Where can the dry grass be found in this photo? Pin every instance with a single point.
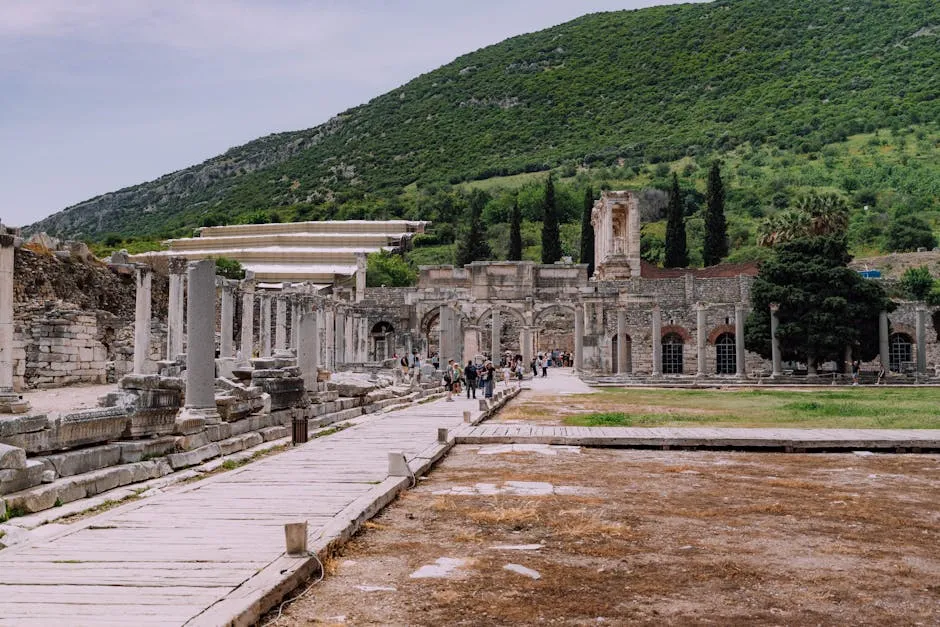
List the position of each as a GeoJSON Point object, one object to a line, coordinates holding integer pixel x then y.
{"type": "Point", "coordinates": [859, 407]}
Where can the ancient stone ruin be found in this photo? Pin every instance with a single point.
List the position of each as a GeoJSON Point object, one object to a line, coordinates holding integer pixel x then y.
{"type": "Point", "coordinates": [205, 366]}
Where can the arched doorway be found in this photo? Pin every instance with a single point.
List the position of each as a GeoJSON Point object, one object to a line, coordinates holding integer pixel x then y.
{"type": "Point", "coordinates": [726, 358]}
{"type": "Point", "coordinates": [382, 340]}
{"type": "Point", "coordinates": [672, 353]}
{"type": "Point", "coordinates": [900, 352]}
{"type": "Point", "coordinates": [615, 353]}
{"type": "Point", "coordinates": [431, 332]}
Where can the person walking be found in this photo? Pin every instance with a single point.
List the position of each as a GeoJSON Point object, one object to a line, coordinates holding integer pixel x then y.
{"type": "Point", "coordinates": [448, 382]}
{"type": "Point", "coordinates": [470, 374]}
{"type": "Point", "coordinates": [534, 366]}
{"type": "Point", "coordinates": [543, 362]}
{"type": "Point", "coordinates": [490, 376]}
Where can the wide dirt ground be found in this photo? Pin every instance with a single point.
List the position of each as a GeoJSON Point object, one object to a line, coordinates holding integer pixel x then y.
{"type": "Point", "coordinates": [628, 536]}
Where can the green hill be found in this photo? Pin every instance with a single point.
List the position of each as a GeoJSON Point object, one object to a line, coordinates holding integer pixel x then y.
{"type": "Point", "coordinates": [778, 88]}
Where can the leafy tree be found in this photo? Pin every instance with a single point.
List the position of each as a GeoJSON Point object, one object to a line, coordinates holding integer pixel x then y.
{"type": "Point", "coordinates": [908, 233]}
{"type": "Point", "coordinates": [824, 305]}
{"type": "Point", "coordinates": [473, 245]}
{"type": "Point", "coordinates": [813, 215]}
{"type": "Point", "coordinates": [716, 228]}
{"type": "Point", "coordinates": [917, 283]}
{"type": "Point", "coordinates": [389, 269]}
{"type": "Point", "coordinates": [587, 231]}
{"type": "Point", "coordinates": [677, 252]}
{"type": "Point", "coordinates": [515, 233]}
{"type": "Point", "coordinates": [229, 268]}
{"type": "Point", "coordinates": [551, 236]}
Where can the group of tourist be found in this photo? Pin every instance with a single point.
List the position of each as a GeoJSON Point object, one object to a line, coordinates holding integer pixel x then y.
{"type": "Point", "coordinates": [483, 376]}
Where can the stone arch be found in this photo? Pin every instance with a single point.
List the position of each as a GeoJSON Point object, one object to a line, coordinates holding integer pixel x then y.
{"type": "Point", "coordinates": [553, 308]}
{"type": "Point", "coordinates": [484, 317]}
{"type": "Point", "coordinates": [682, 332]}
{"type": "Point", "coordinates": [720, 330]}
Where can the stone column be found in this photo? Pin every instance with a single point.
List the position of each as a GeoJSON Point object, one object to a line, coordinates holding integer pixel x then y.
{"type": "Point", "coordinates": [142, 319]}
{"type": "Point", "coordinates": [883, 344]}
{"type": "Point", "coordinates": [775, 341]}
{"type": "Point", "coordinates": [363, 340]}
{"type": "Point", "coordinates": [578, 338]}
{"type": "Point", "coordinates": [329, 320]}
{"type": "Point", "coordinates": [350, 347]}
{"type": "Point", "coordinates": [921, 339]}
{"type": "Point", "coordinates": [339, 337]}
{"type": "Point", "coordinates": [527, 352]}
{"type": "Point", "coordinates": [701, 337]}
{"type": "Point", "coordinates": [495, 344]}
{"type": "Point", "coordinates": [295, 313]}
{"type": "Point", "coordinates": [175, 313]}
{"type": "Point", "coordinates": [248, 320]}
{"type": "Point", "coordinates": [621, 344]}
{"type": "Point", "coordinates": [446, 341]}
{"type": "Point", "coordinates": [227, 326]}
{"type": "Point", "coordinates": [361, 264]}
{"type": "Point", "coordinates": [280, 323]}
{"type": "Point", "coordinates": [307, 335]}
{"type": "Point", "coordinates": [200, 353]}
{"type": "Point", "coordinates": [471, 342]}
{"type": "Point", "coordinates": [265, 330]}
{"type": "Point", "coordinates": [739, 310]}
{"type": "Point", "coordinates": [6, 317]}
{"type": "Point", "coordinates": [657, 332]}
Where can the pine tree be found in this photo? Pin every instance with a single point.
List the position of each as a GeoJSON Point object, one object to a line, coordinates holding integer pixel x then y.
{"type": "Point", "coordinates": [551, 237]}
{"type": "Point", "coordinates": [473, 245]}
{"type": "Point", "coordinates": [716, 228]}
{"type": "Point", "coordinates": [515, 233]}
{"type": "Point", "coordinates": [677, 252]}
{"type": "Point", "coordinates": [587, 231]}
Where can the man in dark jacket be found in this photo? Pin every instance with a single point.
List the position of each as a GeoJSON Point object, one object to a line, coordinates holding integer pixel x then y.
{"type": "Point", "coordinates": [470, 374]}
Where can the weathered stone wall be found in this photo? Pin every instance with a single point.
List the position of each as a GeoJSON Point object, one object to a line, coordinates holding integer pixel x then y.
{"type": "Point", "coordinates": [74, 320]}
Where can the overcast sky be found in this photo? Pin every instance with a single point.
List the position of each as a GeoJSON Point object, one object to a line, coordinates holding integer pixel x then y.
{"type": "Point", "coordinates": [96, 95]}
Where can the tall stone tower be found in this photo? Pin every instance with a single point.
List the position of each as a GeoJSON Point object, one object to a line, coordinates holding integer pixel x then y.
{"type": "Point", "coordinates": [616, 221]}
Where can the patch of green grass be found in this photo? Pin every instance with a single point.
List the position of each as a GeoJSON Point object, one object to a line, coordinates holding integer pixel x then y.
{"type": "Point", "coordinates": [858, 408]}
{"type": "Point", "coordinates": [12, 512]}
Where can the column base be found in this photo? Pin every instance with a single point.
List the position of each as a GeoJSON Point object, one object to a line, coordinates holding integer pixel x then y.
{"type": "Point", "coordinates": [193, 420]}
{"type": "Point", "coordinates": [12, 403]}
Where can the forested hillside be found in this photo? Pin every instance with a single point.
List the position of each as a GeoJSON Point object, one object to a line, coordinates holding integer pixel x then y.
{"type": "Point", "coordinates": [791, 94]}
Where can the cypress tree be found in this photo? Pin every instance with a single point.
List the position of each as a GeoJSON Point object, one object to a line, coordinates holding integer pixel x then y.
{"type": "Point", "coordinates": [551, 236]}
{"type": "Point", "coordinates": [473, 246]}
{"type": "Point", "coordinates": [515, 233]}
{"type": "Point", "coordinates": [587, 231]}
{"type": "Point", "coordinates": [716, 228]}
{"type": "Point", "coordinates": [677, 253]}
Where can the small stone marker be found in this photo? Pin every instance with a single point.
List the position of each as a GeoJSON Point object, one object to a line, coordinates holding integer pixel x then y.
{"type": "Point", "coordinates": [466, 416]}
{"type": "Point", "coordinates": [442, 434]}
{"type": "Point", "coordinates": [398, 465]}
{"type": "Point", "coordinates": [295, 535]}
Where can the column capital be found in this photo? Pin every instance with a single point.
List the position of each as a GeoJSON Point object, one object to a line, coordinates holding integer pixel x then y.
{"type": "Point", "coordinates": [740, 307]}
{"type": "Point", "coordinates": [774, 307]}
{"type": "Point", "coordinates": [920, 307]}
{"type": "Point", "coordinates": [177, 265]}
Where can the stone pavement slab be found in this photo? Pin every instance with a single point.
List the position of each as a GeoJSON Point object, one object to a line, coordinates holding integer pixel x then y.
{"type": "Point", "coordinates": [213, 552]}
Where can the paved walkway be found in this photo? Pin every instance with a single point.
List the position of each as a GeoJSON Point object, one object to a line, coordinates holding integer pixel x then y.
{"type": "Point", "coordinates": [792, 440]}
{"type": "Point", "coordinates": [209, 552]}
